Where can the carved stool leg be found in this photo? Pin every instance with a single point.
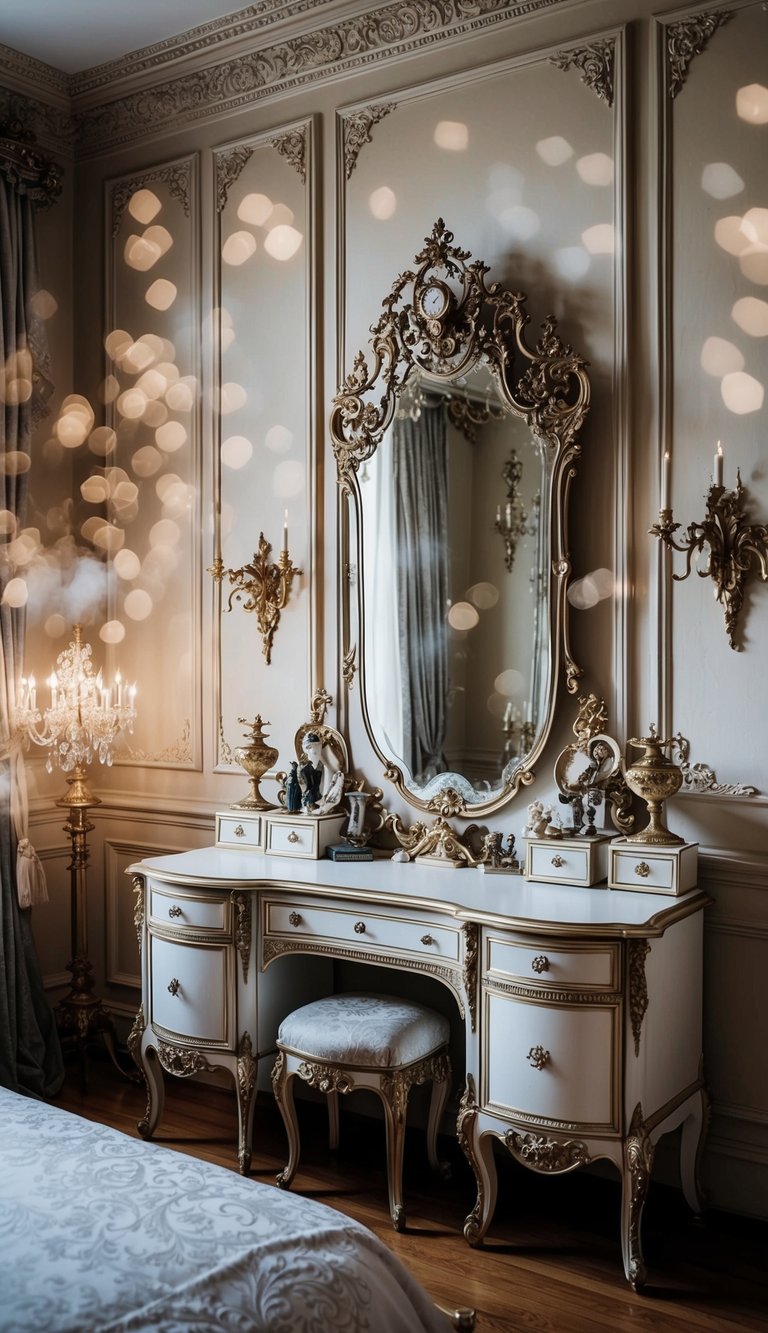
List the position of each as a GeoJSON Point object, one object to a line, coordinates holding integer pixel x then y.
{"type": "Point", "coordinates": [282, 1083]}
{"type": "Point", "coordinates": [333, 1120]}
{"type": "Point", "coordinates": [441, 1086]}
{"type": "Point", "coordinates": [635, 1179]}
{"type": "Point", "coordinates": [691, 1143]}
{"type": "Point", "coordinates": [393, 1090]}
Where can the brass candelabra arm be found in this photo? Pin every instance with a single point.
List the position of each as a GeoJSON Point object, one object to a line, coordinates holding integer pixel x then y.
{"type": "Point", "coordinates": [736, 548]}
{"type": "Point", "coordinates": [263, 586]}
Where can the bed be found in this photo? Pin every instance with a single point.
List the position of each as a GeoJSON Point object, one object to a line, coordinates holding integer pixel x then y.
{"type": "Point", "coordinates": [100, 1231]}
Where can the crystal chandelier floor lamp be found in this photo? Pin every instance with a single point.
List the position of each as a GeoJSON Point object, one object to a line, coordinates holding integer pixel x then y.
{"type": "Point", "coordinates": [80, 725]}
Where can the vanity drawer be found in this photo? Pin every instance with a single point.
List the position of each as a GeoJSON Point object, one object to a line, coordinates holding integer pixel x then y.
{"type": "Point", "coordinates": [360, 929]}
{"type": "Point", "coordinates": [579, 861]}
{"type": "Point", "coordinates": [651, 869]}
{"type": "Point", "coordinates": [240, 830]}
{"type": "Point", "coordinates": [179, 910]}
{"type": "Point", "coordinates": [192, 991]}
{"type": "Point", "coordinates": [552, 1063]}
{"type": "Point", "coordinates": [308, 838]}
{"type": "Point", "coordinates": [549, 964]}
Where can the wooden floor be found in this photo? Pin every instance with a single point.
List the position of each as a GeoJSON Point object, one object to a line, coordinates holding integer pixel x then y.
{"type": "Point", "coordinates": [552, 1261]}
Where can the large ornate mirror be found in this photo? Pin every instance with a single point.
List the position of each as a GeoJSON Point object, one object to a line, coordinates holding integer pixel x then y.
{"type": "Point", "coordinates": [456, 447]}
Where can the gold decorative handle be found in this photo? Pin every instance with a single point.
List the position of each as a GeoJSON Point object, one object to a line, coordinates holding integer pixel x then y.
{"type": "Point", "coordinates": [174, 911]}
{"type": "Point", "coordinates": [174, 986]}
{"type": "Point", "coordinates": [538, 1057]}
{"type": "Point", "coordinates": [239, 831]}
{"type": "Point", "coordinates": [427, 939]}
{"type": "Point", "coordinates": [557, 862]}
{"type": "Point", "coordinates": [295, 919]}
{"type": "Point", "coordinates": [540, 964]}
{"type": "Point", "coordinates": [293, 836]}
{"type": "Point", "coordinates": [359, 927]}
{"type": "Point", "coordinates": [643, 870]}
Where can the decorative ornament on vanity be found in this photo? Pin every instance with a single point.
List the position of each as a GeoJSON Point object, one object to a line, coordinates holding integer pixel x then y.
{"type": "Point", "coordinates": [654, 777]}
{"type": "Point", "coordinates": [586, 771]}
{"type": "Point", "coordinates": [256, 758]}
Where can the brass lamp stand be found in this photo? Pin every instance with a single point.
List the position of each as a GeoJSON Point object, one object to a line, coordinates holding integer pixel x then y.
{"type": "Point", "coordinates": [81, 1013]}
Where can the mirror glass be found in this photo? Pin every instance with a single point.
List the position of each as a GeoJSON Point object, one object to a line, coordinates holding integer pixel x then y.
{"type": "Point", "coordinates": [456, 441]}
{"type": "Point", "coordinates": [456, 627]}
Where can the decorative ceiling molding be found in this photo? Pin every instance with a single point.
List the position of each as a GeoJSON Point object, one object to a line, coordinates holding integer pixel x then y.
{"type": "Point", "coordinates": [227, 165]}
{"type": "Point", "coordinates": [687, 39]}
{"type": "Point", "coordinates": [357, 127]}
{"type": "Point", "coordinates": [29, 172]}
{"type": "Point", "coordinates": [293, 147]}
{"type": "Point", "coordinates": [595, 63]}
{"type": "Point", "coordinates": [15, 66]}
{"type": "Point", "coordinates": [353, 43]}
{"type": "Point", "coordinates": [176, 175]}
{"type": "Point", "coordinates": [52, 127]}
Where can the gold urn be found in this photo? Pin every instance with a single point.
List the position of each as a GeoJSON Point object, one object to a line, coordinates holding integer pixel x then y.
{"type": "Point", "coordinates": [654, 778]}
{"type": "Point", "coordinates": [256, 758]}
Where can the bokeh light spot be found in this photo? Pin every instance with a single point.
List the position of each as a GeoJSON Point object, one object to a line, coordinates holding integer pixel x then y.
{"type": "Point", "coordinates": [554, 151]}
{"type": "Point", "coordinates": [720, 357]}
{"type": "Point", "coordinates": [231, 397]}
{"type": "Point", "coordinates": [742, 393]}
{"type": "Point", "coordinates": [127, 564]}
{"type": "Point", "coordinates": [113, 631]}
{"type": "Point", "coordinates": [236, 451]}
{"type": "Point", "coordinates": [161, 295]}
{"type": "Point", "coordinates": [44, 304]}
{"type": "Point", "coordinates": [382, 203]}
{"type": "Point", "coordinates": [751, 315]}
{"type": "Point", "coordinates": [452, 135]}
{"type": "Point", "coordinates": [598, 240]}
{"type": "Point", "coordinates": [509, 682]}
{"type": "Point", "coordinates": [238, 248]}
{"type": "Point", "coordinates": [144, 205]}
{"type": "Point", "coordinates": [572, 262]}
{"type": "Point", "coordinates": [595, 169]}
{"type": "Point", "coordinates": [484, 595]}
{"type": "Point", "coordinates": [256, 209]}
{"type": "Point", "coordinates": [137, 604]}
{"type": "Point", "coordinates": [15, 593]}
{"type": "Point", "coordinates": [289, 479]}
{"type": "Point", "coordinates": [171, 436]}
{"type": "Point", "coordinates": [278, 439]}
{"type": "Point", "coordinates": [752, 104]}
{"type": "Point", "coordinates": [519, 222]}
{"type": "Point", "coordinates": [720, 181]}
{"type": "Point", "coordinates": [282, 242]}
{"type": "Point", "coordinates": [463, 616]}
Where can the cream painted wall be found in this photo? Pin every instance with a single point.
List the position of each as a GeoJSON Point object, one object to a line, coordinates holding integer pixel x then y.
{"type": "Point", "coordinates": [642, 316]}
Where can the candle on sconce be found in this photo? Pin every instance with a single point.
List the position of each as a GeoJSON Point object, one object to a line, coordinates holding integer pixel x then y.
{"type": "Point", "coordinates": [665, 479]}
{"type": "Point", "coordinates": [53, 685]}
{"type": "Point", "coordinates": [718, 465]}
{"type": "Point", "coordinates": [32, 693]}
{"type": "Point", "coordinates": [285, 531]}
{"type": "Point", "coordinates": [119, 689]}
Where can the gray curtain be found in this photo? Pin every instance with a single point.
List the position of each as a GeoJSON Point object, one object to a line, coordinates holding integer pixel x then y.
{"type": "Point", "coordinates": [30, 1054]}
{"type": "Point", "coordinates": [420, 465]}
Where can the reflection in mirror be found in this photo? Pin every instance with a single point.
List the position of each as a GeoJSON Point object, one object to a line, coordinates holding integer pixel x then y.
{"type": "Point", "coordinates": [459, 476]}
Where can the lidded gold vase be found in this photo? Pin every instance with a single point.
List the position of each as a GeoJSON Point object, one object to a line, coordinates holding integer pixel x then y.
{"type": "Point", "coordinates": [256, 758]}
{"type": "Point", "coordinates": [654, 778]}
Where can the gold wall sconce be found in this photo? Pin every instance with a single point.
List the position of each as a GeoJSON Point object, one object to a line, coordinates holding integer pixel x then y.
{"type": "Point", "coordinates": [737, 549]}
{"type": "Point", "coordinates": [263, 586]}
{"type": "Point", "coordinates": [511, 517]}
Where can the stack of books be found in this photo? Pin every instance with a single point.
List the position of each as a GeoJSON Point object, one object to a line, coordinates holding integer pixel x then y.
{"type": "Point", "coordinates": [344, 851]}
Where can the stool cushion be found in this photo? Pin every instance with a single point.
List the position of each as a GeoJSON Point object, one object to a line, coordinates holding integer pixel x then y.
{"type": "Point", "coordinates": [365, 1031]}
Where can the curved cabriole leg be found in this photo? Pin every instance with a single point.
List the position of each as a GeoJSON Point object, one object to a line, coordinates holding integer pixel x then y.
{"type": "Point", "coordinates": [246, 1100]}
{"type": "Point", "coordinates": [441, 1086]}
{"type": "Point", "coordinates": [691, 1143]}
{"type": "Point", "coordinates": [478, 1151]}
{"type": "Point", "coordinates": [333, 1120]}
{"type": "Point", "coordinates": [393, 1091]}
{"type": "Point", "coordinates": [635, 1179]}
{"type": "Point", "coordinates": [153, 1077]}
{"type": "Point", "coordinates": [282, 1083]}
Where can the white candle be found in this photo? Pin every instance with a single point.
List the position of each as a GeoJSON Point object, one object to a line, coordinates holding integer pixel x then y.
{"type": "Point", "coordinates": [54, 685]}
{"type": "Point", "coordinates": [32, 692]}
{"type": "Point", "coordinates": [665, 475]}
{"type": "Point", "coordinates": [105, 699]}
{"type": "Point", "coordinates": [718, 468]}
{"type": "Point", "coordinates": [119, 688]}
{"type": "Point", "coordinates": [285, 531]}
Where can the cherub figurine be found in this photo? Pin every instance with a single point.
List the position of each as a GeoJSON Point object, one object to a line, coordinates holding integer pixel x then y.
{"type": "Point", "coordinates": [539, 816]}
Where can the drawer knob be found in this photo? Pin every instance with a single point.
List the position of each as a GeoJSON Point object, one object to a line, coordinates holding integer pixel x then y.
{"type": "Point", "coordinates": [427, 939]}
{"type": "Point", "coordinates": [359, 927]}
{"type": "Point", "coordinates": [643, 870]}
{"type": "Point", "coordinates": [557, 862]}
{"type": "Point", "coordinates": [538, 1057]}
{"type": "Point", "coordinates": [174, 986]}
{"type": "Point", "coordinates": [239, 831]}
{"type": "Point", "coordinates": [295, 919]}
{"type": "Point", "coordinates": [293, 836]}
{"type": "Point", "coordinates": [540, 964]}
{"type": "Point", "coordinates": [174, 911]}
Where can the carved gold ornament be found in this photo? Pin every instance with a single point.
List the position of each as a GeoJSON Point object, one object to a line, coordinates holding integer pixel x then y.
{"type": "Point", "coordinates": [654, 778]}
{"type": "Point", "coordinates": [638, 951]}
{"type": "Point", "coordinates": [242, 902]}
{"type": "Point", "coordinates": [638, 1158]}
{"type": "Point", "coordinates": [465, 1124]}
{"type": "Point", "coordinates": [263, 587]}
{"type": "Point", "coordinates": [541, 1152]}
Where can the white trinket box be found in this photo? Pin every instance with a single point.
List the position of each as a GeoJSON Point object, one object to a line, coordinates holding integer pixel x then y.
{"type": "Point", "coordinates": [578, 861]}
{"type": "Point", "coordinates": [653, 867]}
{"type": "Point", "coordinates": [307, 836]}
{"type": "Point", "coordinates": [240, 828]}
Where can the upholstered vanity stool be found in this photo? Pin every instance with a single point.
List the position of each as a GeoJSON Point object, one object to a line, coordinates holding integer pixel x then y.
{"type": "Point", "coordinates": [380, 1042]}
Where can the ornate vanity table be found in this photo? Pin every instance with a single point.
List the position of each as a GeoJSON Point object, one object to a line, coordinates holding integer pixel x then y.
{"type": "Point", "coordinates": [581, 1008]}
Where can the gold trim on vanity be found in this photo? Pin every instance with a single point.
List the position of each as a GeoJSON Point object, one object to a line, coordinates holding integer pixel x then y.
{"type": "Point", "coordinates": [544, 1153]}
{"type": "Point", "coordinates": [242, 904]}
{"type": "Point", "coordinates": [637, 951]}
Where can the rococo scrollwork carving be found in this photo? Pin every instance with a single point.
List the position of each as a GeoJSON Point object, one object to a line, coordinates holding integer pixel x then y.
{"type": "Point", "coordinates": [228, 163]}
{"type": "Point", "coordinates": [357, 127]}
{"type": "Point", "coordinates": [687, 39]}
{"type": "Point", "coordinates": [468, 1111]}
{"type": "Point", "coordinates": [293, 147]}
{"type": "Point", "coordinates": [181, 1061]}
{"type": "Point", "coordinates": [138, 907]}
{"type": "Point", "coordinates": [638, 987]}
{"type": "Point", "coordinates": [700, 777]}
{"type": "Point", "coordinates": [544, 1153]}
{"type": "Point", "coordinates": [595, 63]}
{"type": "Point", "coordinates": [242, 902]}
{"type": "Point", "coordinates": [471, 935]}
{"type": "Point", "coordinates": [176, 175]}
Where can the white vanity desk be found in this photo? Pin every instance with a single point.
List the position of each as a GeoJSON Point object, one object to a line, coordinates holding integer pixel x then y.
{"type": "Point", "coordinates": [581, 1007]}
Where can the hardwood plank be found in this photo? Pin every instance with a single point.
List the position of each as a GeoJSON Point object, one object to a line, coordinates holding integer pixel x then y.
{"type": "Point", "coordinates": [552, 1261]}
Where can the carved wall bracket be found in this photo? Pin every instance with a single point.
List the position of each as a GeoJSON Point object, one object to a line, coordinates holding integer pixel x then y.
{"type": "Point", "coordinates": [176, 175]}
{"type": "Point", "coordinates": [687, 39]}
{"type": "Point", "coordinates": [264, 586]}
{"type": "Point", "coordinates": [700, 777]}
{"type": "Point", "coordinates": [228, 163]}
{"type": "Point", "coordinates": [595, 63]}
{"type": "Point", "coordinates": [293, 147]}
{"type": "Point", "coordinates": [357, 129]}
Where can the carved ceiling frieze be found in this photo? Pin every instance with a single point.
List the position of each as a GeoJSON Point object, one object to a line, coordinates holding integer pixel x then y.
{"type": "Point", "coordinates": [51, 127]}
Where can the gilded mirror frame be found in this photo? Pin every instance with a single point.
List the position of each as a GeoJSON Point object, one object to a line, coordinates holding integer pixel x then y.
{"type": "Point", "coordinates": [443, 318]}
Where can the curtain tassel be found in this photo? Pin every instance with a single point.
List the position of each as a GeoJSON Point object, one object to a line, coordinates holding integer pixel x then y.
{"type": "Point", "coordinates": [30, 876]}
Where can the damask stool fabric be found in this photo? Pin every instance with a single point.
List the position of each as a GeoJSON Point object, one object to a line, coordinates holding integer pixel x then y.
{"type": "Point", "coordinates": [385, 1044]}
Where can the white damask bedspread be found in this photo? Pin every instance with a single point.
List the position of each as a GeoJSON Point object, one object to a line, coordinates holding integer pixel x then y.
{"type": "Point", "coordinates": [100, 1231]}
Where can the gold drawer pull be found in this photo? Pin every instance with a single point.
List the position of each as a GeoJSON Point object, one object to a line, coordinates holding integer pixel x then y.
{"type": "Point", "coordinates": [427, 939]}
{"type": "Point", "coordinates": [174, 911]}
{"type": "Point", "coordinates": [538, 1057]}
{"type": "Point", "coordinates": [295, 919]}
{"type": "Point", "coordinates": [174, 986]}
{"type": "Point", "coordinates": [239, 831]}
{"type": "Point", "coordinates": [359, 927]}
{"type": "Point", "coordinates": [643, 870]}
{"type": "Point", "coordinates": [293, 836]}
{"type": "Point", "coordinates": [540, 964]}
{"type": "Point", "coordinates": [557, 862]}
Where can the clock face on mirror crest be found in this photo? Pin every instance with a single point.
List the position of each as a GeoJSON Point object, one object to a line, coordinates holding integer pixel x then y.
{"type": "Point", "coordinates": [433, 300]}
